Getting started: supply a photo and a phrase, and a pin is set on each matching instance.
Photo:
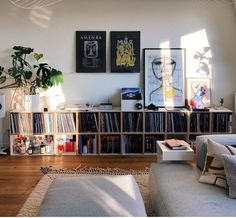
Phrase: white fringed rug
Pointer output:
(32, 204)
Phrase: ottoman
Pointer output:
(93, 196)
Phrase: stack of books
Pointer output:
(175, 144)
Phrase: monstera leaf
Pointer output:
(56, 77)
(37, 56)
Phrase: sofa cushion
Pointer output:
(201, 143)
(213, 172)
(230, 172)
(175, 191)
(94, 196)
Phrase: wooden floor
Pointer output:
(19, 175)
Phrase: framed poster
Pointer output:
(164, 77)
(198, 93)
(125, 52)
(90, 51)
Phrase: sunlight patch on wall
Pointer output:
(41, 17)
(165, 44)
(198, 55)
(53, 97)
(167, 76)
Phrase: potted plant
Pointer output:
(29, 76)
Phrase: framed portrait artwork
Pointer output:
(125, 51)
(164, 77)
(198, 93)
(90, 51)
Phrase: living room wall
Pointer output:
(193, 24)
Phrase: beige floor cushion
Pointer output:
(93, 196)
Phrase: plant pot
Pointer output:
(32, 103)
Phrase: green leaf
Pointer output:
(23, 50)
(56, 77)
(2, 79)
(38, 56)
(28, 74)
(43, 65)
(1, 70)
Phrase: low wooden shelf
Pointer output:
(131, 129)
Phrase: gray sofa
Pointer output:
(175, 190)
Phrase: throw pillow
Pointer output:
(230, 172)
(213, 172)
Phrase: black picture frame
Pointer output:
(164, 76)
(125, 51)
(90, 51)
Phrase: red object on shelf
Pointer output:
(60, 148)
(69, 146)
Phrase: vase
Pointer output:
(32, 103)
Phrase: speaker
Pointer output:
(2, 106)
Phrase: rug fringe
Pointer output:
(96, 171)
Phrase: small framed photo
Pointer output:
(125, 51)
(199, 93)
(164, 77)
(90, 51)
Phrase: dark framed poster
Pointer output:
(90, 51)
(125, 51)
(164, 77)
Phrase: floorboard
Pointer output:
(19, 175)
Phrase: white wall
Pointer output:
(52, 31)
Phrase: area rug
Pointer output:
(32, 204)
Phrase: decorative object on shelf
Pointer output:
(105, 106)
(90, 51)
(69, 146)
(30, 150)
(29, 77)
(125, 52)
(42, 148)
(199, 93)
(85, 149)
(60, 146)
(222, 102)
(26, 4)
(164, 76)
(152, 107)
(82, 106)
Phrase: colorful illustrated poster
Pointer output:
(90, 51)
(164, 77)
(125, 51)
(199, 93)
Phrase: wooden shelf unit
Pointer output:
(112, 132)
